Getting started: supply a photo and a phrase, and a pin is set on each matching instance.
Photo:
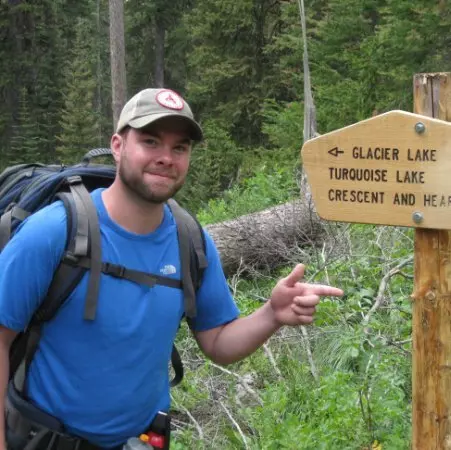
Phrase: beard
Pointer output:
(144, 191)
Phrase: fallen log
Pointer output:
(266, 239)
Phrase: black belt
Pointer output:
(21, 434)
(37, 430)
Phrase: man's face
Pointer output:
(154, 161)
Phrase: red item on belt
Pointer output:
(156, 440)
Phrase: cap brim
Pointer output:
(196, 133)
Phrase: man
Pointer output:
(107, 379)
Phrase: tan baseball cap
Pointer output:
(151, 105)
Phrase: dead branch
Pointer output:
(383, 286)
(308, 349)
(235, 423)
(270, 356)
(195, 422)
(241, 381)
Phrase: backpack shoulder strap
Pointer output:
(64, 281)
(193, 260)
(6, 222)
(88, 234)
(66, 276)
(83, 242)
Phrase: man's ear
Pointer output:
(116, 146)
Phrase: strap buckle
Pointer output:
(70, 258)
(10, 207)
(74, 179)
(114, 270)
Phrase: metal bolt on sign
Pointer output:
(417, 217)
(420, 128)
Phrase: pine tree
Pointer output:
(16, 63)
(230, 72)
(49, 56)
(79, 119)
(155, 29)
(100, 59)
(403, 50)
(6, 82)
(25, 144)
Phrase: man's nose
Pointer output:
(164, 155)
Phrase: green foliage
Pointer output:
(48, 55)
(24, 142)
(362, 395)
(283, 124)
(309, 416)
(36, 38)
(214, 166)
(79, 120)
(140, 24)
(348, 74)
(268, 187)
(229, 71)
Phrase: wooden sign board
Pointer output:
(393, 169)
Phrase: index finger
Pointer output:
(321, 289)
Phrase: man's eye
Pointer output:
(151, 141)
(181, 149)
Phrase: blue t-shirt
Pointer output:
(105, 379)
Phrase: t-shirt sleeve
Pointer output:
(215, 304)
(27, 265)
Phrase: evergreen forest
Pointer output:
(345, 382)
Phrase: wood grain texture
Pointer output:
(431, 367)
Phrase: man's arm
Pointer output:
(6, 338)
(27, 265)
(238, 339)
(292, 303)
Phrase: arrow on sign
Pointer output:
(335, 151)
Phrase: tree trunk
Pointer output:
(266, 239)
(117, 52)
(99, 73)
(160, 33)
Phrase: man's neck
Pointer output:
(130, 212)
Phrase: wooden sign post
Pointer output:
(431, 364)
(395, 169)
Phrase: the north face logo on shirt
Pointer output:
(169, 269)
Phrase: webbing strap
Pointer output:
(185, 259)
(65, 280)
(19, 213)
(5, 229)
(6, 221)
(81, 194)
(35, 443)
(139, 277)
(117, 271)
(79, 243)
(195, 232)
(177, 364)
(34, 334)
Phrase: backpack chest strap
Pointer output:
(117, 271)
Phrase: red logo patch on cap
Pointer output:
(169, 99)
